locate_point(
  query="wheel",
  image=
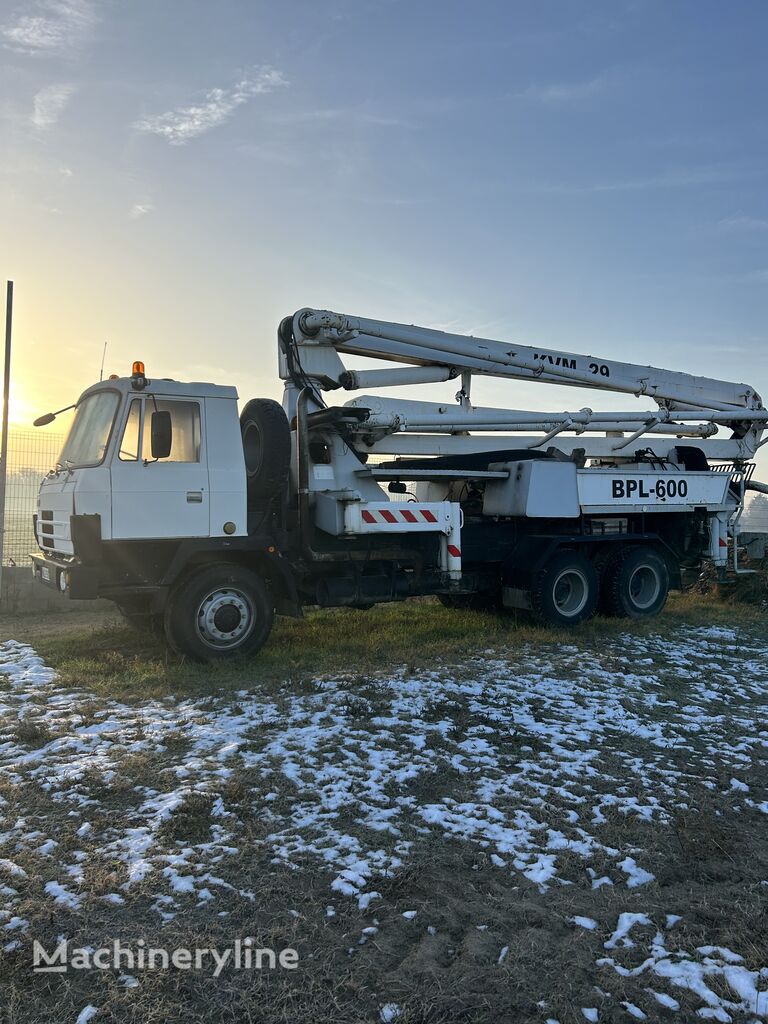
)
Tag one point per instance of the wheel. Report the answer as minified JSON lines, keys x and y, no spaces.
{"x":565,"y":591}
{"x":636,"y":584}
{"x":220,"y":611}
{"x":267,"y":450}
{"x":135,"y":611}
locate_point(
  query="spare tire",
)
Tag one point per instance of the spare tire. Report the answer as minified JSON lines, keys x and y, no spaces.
{"x":267,"y":450}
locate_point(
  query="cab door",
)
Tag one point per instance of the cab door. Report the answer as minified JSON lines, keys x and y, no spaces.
{"x":161,"y":498}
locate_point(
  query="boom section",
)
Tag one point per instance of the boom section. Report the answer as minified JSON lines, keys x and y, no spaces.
{"x":423,"y":346}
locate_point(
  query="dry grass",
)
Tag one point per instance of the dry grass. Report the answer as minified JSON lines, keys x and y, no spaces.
{"x":103,"y":654}
{"x":441,"y":968}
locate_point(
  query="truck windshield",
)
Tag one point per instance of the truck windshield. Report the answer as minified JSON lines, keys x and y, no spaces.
{"x":87,"y":440}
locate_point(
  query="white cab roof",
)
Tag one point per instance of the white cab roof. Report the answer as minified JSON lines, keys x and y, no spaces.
{"x":172,"y":388}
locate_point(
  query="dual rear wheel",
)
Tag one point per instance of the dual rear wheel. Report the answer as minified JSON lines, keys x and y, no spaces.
{"x":634,"y":583}
{"x":565,"y":592}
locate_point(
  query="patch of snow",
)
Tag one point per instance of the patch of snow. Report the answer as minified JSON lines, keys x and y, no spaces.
{"x":636,"y":875}
{"x":63,"y":897}
{"x":634,"y":1011}
{"x":585,"y":922}
{"x":12,"y":869}
{"x":664,"y":999}
{"x":692,"y":971}
{"x":621,"y":934}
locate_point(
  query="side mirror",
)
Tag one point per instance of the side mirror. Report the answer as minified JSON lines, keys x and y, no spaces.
{"x":161,"y":433}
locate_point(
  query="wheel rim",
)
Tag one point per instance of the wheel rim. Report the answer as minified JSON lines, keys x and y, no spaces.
{"x":570,"y":592}
{"x":225,"y":618}
{"x":644,"y":586}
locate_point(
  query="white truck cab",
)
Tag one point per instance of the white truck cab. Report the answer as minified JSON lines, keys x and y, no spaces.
{"x":197,"y":488}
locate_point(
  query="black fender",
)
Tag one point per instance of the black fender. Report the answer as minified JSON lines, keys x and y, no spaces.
{"x":259,"y":553}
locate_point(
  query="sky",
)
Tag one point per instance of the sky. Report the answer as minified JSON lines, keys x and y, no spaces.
{"x":177,"y":177}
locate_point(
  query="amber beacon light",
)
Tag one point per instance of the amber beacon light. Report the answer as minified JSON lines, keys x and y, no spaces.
{"x":138,"y":377}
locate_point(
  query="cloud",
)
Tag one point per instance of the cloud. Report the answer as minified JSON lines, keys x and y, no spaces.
{"x":563,"y":92}
{"x":216,"y":107}
{"x":139,"y":210}
{"x":743,"y":224}
{"x":50,"y":26}
{"x":49,"y":103}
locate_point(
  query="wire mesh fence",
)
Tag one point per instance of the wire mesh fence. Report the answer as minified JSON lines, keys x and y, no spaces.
{"x":31,"y":453}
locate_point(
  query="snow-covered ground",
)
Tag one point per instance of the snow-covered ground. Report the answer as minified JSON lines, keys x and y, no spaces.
{"x":530,"y":757}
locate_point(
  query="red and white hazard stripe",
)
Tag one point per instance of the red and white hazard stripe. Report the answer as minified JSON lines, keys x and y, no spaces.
{"x":404,"y":515}
{"x":441,"y":517}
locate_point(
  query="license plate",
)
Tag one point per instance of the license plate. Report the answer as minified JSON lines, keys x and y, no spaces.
{"x":45,"y":574}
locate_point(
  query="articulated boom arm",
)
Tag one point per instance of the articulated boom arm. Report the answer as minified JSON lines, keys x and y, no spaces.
{"x":409,"y":344}
{"x":688,"y":405}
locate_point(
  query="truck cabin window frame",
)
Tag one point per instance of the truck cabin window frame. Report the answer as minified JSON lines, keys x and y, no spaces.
{"x":186,"y":427}
{"x":87,"y":440}
{"x":130,"y":442}
{"x":136,"y":441}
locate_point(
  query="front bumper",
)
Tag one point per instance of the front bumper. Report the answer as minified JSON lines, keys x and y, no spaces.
{"x":70,"y":578}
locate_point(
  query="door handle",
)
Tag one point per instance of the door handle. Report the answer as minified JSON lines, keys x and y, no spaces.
{"x":195,"y":497}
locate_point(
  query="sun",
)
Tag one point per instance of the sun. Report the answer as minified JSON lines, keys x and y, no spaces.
{"x":20,"y":410}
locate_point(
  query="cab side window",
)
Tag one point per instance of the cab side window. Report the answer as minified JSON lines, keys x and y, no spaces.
{"x":185,"y":426}
{"x":129,"y":444}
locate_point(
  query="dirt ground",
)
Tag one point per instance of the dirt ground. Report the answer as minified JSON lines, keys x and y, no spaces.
{"x":526,"y":827}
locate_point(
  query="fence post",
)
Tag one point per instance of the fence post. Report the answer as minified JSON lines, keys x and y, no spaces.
{"x":4,"y":433}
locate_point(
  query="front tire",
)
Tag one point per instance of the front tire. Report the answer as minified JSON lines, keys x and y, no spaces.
{"x":221,"y":611}
{"x":637,"y":584}
{"x":565,"y":591}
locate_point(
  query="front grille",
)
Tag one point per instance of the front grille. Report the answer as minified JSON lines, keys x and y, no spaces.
{"x":53,"y":530}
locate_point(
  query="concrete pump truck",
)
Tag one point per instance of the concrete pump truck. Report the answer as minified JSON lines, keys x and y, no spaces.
{"x":204,"y":523}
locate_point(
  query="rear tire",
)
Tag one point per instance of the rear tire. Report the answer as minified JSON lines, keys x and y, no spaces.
{"x":636,"y":584}
{"x":565,"y":591}
{"x":221,"y":611}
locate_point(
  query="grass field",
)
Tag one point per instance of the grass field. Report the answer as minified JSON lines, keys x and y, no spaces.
{"x":450,"y":816}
